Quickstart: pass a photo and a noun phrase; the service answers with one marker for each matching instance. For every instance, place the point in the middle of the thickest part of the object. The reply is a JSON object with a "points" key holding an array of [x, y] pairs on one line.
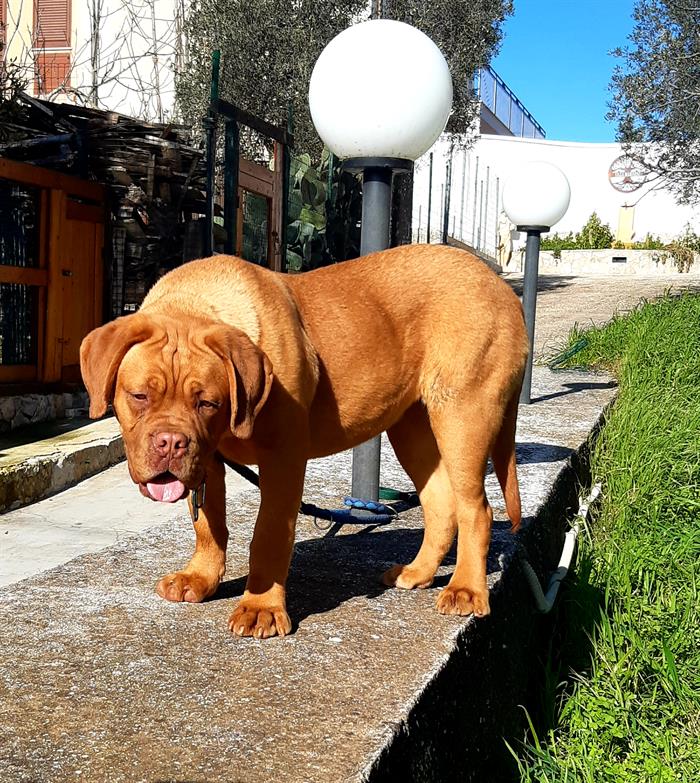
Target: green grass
{"points": [[630, 710]]}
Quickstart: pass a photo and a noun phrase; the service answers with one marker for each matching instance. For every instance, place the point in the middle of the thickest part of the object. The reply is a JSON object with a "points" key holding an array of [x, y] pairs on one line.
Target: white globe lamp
{"points": [[535, 197], [380, 89], [536, 194], [380, 95]]}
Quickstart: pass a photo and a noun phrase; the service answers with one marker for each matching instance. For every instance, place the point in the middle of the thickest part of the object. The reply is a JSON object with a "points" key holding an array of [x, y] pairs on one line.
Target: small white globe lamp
{"points": [[380, 95], [535, 197]]}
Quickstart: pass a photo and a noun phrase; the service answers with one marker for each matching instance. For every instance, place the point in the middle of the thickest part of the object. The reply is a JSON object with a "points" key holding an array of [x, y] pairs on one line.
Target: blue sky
{"points": [[555, 57]]}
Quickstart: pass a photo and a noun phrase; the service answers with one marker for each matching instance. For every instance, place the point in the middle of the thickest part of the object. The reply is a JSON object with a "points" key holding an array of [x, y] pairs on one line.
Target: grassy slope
{"points": [[633, 713]]}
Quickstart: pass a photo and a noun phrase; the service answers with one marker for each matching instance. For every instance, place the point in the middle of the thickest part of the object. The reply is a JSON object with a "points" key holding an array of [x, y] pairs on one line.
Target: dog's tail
{"points": [[503, 458]]}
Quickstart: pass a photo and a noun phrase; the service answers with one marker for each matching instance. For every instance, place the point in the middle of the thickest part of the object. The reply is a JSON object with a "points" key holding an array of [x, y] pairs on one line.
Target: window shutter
{"points": [[52, 72], [51, 24]]}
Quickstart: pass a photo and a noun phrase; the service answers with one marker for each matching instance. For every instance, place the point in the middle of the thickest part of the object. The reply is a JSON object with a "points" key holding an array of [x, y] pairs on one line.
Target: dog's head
{"points": [[176, 387]]}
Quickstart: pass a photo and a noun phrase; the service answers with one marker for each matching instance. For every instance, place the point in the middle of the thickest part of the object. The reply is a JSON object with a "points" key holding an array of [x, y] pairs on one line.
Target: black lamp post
{"points": [[380, 95], [535, 197]]}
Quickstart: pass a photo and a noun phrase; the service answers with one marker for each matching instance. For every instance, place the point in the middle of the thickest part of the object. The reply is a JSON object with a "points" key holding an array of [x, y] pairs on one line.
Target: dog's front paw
{"points": [[462, 601], [184, 586], [261, 622], [407, 577]]}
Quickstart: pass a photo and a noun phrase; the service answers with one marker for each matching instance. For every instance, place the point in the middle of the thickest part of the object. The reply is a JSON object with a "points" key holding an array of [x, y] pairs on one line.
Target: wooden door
{"points": [[259, 216], [75, 283]]}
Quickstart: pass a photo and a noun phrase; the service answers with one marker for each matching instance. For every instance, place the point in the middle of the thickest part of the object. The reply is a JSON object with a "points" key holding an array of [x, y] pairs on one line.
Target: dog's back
{"points": [[415, 322]]}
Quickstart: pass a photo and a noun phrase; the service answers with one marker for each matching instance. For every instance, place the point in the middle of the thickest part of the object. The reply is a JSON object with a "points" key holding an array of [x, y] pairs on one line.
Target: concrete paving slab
{"points": [[101, 680], [95, 513]]}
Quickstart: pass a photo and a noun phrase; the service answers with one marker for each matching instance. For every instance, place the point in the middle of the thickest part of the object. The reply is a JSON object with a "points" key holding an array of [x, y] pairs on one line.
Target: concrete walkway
{"points": [[563, 302], [101, 680]]}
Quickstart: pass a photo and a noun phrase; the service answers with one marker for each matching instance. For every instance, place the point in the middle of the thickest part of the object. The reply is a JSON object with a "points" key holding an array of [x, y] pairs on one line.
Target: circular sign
{"points": [[626, 174]]}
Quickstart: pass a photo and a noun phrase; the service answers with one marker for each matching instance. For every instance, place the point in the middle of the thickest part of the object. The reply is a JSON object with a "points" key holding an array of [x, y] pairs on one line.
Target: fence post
{"points": [[209, 123], [448, 193], [430, 195], [476, 191], [231, 153]]}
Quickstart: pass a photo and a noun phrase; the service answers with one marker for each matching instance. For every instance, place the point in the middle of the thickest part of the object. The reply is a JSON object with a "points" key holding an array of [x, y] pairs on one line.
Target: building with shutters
{"points": [[112, 54]]}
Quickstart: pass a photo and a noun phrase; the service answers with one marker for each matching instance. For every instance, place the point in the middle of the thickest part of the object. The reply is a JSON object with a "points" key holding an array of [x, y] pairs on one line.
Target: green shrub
{"points": [[323, 224], [595, 235]]}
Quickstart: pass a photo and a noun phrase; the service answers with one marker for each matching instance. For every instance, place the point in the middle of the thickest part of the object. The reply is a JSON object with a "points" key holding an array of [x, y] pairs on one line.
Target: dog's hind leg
{"points": [[503, 458], [200, 578], [466, 427], [417, 451]]}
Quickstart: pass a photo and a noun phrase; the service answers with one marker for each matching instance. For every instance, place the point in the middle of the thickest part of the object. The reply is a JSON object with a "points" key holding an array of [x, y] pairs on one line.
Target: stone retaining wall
{"points": [[20, 410], [611, 263]]}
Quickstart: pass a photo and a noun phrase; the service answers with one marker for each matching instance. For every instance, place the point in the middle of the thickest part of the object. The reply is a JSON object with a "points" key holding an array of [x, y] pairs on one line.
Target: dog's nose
{"points": [[171, 444]]}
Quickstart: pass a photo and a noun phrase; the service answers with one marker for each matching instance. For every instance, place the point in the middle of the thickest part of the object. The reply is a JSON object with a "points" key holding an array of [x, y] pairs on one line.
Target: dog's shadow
{"points": [[326, 572]]}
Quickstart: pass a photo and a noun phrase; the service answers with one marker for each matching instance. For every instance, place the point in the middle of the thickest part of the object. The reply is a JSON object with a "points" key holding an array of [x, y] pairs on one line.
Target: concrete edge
{"points": [[46, 474], [494, 662]]}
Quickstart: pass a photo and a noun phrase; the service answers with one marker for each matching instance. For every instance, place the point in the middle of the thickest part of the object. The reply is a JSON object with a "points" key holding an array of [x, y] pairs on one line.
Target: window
{"points": [[52, 42]]}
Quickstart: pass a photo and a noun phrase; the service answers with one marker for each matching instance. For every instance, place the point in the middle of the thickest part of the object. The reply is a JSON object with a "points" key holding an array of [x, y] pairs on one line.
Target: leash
{"points": [[375, 513]]}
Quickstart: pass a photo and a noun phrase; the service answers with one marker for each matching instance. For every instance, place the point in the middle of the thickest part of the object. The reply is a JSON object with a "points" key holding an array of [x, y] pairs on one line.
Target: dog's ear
{"points": [[101, 353], [249, 375]]}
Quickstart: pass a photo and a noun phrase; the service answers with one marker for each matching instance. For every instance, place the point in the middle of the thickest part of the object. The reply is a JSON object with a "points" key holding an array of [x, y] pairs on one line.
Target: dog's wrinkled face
{"points": [[176, 386], [173, 403]]}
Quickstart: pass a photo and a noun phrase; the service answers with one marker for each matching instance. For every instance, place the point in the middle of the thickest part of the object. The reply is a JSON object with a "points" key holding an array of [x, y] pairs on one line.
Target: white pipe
{"points": [[545, 602]]}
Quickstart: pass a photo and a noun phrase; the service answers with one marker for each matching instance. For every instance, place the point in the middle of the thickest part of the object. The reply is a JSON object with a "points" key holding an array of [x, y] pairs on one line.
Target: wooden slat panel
{"points": [[53, 348], [51, 24], [256, 179], [45, 178], [78, 262], [52, 72], [23, 275], [77, 211], [276, 209], [256, 186], [99, 276], [17, 373]]}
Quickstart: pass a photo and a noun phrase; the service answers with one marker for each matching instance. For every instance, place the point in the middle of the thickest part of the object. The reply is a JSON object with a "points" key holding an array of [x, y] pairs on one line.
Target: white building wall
{"points": [[135, 56], [479, 174]]}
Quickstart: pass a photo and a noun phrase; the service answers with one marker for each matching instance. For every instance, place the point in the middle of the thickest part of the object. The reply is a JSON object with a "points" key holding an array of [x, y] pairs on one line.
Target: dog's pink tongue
{"points": [[167, 491]]}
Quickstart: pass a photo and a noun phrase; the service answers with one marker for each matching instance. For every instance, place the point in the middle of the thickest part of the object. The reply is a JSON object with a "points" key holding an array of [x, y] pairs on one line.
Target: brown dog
{"points": [[272, 370]]}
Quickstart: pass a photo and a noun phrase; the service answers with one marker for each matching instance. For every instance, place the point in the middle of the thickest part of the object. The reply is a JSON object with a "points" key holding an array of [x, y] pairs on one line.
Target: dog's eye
{"points": [[140, 396], [208, 404]]}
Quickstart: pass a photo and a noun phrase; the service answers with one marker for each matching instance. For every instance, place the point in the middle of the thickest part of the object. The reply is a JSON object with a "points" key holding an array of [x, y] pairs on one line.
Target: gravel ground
{"points": [[565, 301]]}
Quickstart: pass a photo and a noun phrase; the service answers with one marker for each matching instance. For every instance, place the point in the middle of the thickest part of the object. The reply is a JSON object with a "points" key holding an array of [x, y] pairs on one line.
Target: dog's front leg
{"points": [[200, 578], [262, 610]]}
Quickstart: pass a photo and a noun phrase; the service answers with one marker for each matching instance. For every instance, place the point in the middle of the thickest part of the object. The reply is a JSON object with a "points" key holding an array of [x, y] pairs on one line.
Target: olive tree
{"points": [[269, 47], [656, 93]]}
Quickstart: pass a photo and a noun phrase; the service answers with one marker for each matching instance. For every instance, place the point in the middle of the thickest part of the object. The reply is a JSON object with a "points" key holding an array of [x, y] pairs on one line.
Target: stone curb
{"points": [[36, 470]]}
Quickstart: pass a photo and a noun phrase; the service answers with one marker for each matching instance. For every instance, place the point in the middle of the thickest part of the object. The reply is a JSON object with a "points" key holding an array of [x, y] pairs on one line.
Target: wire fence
{"points": [[457, 197], [19, 247]]}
